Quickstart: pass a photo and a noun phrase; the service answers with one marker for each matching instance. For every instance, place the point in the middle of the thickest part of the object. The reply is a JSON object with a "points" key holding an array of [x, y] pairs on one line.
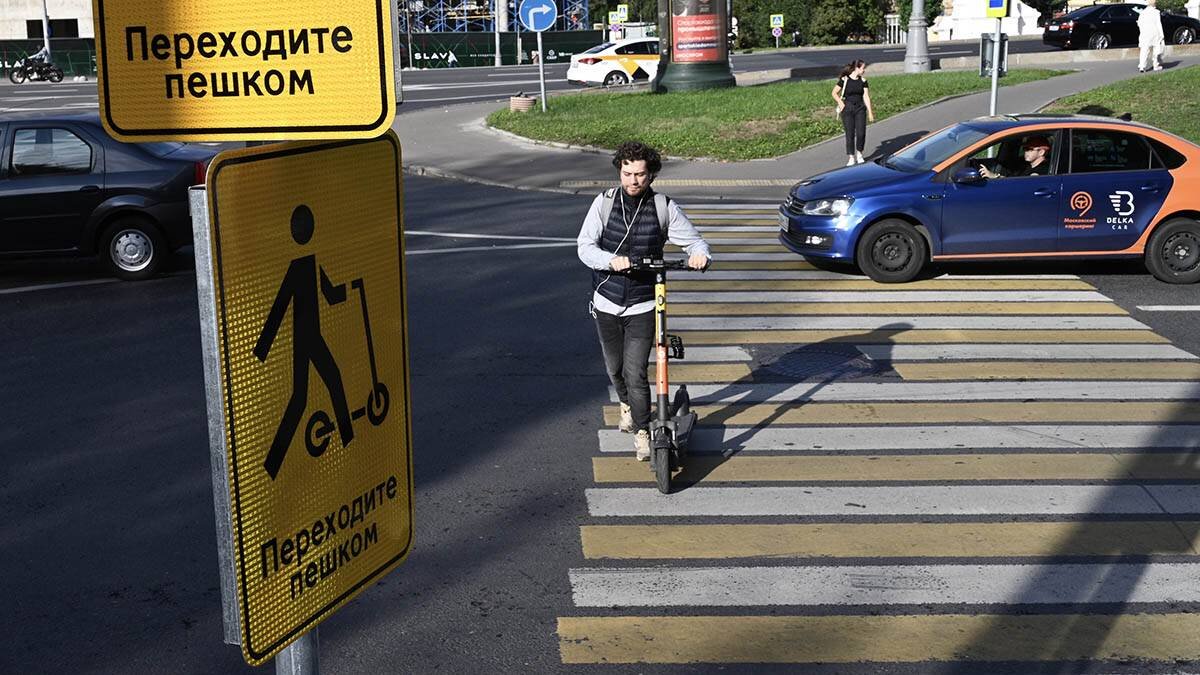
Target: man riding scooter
{"points": [[632, 221]]}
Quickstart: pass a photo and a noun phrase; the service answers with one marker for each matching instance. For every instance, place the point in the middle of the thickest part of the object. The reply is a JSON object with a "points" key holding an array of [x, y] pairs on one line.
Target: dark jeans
{"points": [[626, 343], [854, 121]]}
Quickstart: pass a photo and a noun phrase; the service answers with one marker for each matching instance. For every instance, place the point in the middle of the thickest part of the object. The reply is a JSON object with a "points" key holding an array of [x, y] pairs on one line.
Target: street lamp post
{"points": [[916, 52], [46, 30]]}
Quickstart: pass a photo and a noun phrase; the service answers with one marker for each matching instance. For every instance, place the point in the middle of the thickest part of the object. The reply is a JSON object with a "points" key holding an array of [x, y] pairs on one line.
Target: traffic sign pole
{"points": [[995, 68], [541, 70]]}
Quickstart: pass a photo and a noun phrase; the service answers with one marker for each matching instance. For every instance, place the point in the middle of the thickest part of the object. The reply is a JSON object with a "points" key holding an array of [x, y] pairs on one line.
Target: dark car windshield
{"points": [[935, 148], [599, 48], [161, 149]]}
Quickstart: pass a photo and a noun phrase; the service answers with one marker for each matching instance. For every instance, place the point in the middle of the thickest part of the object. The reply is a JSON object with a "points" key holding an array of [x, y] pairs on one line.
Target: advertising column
{"points": [[696, 54]]}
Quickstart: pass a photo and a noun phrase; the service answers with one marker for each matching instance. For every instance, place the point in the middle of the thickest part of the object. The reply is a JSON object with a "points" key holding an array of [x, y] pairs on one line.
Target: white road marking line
{"points": [[1169, 308], [760, 275], [468, 249], [964, 352], [46, 287], [939, 391], [467, 235], [740, 228], [887, 296], [915, 500], [886, 584], [897, 323], [903, 438]]}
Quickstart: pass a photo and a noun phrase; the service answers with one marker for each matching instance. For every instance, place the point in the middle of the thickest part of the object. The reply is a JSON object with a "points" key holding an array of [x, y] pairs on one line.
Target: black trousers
{"points": [[854, 121], [626, 343]]}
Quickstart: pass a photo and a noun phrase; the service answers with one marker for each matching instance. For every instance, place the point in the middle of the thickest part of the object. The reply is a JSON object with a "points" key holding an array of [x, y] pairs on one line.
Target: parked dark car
{"points": [[67, 187], [1104, 26]]}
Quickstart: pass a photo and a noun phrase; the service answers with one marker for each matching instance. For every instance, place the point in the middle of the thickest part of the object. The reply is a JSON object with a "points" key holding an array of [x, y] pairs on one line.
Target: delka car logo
{"points": [[1122, 202], [1081, 202]]}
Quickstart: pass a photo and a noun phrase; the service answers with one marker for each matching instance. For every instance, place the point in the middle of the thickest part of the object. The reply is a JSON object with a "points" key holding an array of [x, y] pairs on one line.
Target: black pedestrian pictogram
{"points": [[299, 289]]}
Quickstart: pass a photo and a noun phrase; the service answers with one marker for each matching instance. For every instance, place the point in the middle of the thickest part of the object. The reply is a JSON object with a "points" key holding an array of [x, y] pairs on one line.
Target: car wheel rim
{"points": [[892, 252], [1186, 37], [613, 81], [1101, 42], [1181, 252], [131, 250]]}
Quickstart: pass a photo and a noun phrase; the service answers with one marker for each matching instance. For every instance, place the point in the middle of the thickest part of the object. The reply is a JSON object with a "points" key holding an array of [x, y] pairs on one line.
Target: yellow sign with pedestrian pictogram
{"points": [[305, 268], [212, 70]]}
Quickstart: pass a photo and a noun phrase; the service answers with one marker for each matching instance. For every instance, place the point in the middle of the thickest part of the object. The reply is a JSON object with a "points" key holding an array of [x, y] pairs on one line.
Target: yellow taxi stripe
{"points": [[889, 540], [1015, 412], [950, 336], [882, 639], [1085, 466], [891, 308]]}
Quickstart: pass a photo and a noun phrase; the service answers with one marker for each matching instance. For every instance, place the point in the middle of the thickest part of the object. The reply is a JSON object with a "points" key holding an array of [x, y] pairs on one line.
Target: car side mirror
{"points": [[967, 175]]}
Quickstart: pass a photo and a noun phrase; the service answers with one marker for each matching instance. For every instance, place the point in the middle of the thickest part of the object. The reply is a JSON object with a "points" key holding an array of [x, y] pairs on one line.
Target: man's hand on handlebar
{"points": [[698, 262], [619, 263]]}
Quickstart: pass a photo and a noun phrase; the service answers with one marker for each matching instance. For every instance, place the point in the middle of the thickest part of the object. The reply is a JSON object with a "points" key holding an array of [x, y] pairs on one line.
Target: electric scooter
{"points": [[320, 427], [674, 420]]}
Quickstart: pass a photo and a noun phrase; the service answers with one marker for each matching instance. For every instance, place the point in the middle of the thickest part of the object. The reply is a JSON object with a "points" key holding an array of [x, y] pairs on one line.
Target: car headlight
{"points": [[828, 207]]}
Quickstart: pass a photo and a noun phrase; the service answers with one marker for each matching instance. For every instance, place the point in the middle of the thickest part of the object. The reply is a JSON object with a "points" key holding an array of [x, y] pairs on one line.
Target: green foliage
{"points": [[1173, 6], [1143, 98], [732, 124]]}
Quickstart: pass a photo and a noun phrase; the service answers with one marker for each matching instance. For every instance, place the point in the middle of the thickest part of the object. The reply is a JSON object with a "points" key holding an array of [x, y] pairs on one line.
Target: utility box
{"points": [[986, 51]]}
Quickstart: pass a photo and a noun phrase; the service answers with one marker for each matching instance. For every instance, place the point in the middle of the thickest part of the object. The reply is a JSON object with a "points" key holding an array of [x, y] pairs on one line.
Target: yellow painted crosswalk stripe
{"points": [[688, 373], [797, 264], [851, 284], [889, 540], [855, 639], [734, 234], [947, 336], [891, 308], [716, 247], [1016, 412], [965, 467]]}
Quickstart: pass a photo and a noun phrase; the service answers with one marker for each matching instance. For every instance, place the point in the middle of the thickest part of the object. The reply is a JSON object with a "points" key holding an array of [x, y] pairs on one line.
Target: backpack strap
{"points": [[606, 205], [661, 202]]}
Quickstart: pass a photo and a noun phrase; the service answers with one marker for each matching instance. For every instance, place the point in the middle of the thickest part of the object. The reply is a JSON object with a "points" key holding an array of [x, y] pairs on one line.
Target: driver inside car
{"points": [[1035, 150]]}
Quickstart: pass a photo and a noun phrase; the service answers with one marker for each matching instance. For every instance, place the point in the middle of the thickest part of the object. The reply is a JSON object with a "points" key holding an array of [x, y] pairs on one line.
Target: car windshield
{"points": [[599, 48], [161, 149], [934, 149]]}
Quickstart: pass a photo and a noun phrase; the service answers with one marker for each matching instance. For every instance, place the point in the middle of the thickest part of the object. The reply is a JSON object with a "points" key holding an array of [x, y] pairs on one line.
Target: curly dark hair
{"points": [[635, 151]]}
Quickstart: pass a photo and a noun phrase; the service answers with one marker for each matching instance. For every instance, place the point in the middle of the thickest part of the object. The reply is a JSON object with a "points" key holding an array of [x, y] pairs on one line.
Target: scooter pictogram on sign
{"points": [[299, 290]]}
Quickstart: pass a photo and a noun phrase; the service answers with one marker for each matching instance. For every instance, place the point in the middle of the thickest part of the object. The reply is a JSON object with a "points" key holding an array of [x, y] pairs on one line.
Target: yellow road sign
{"points": [[216, 71], [776, 21], [307, 279]]}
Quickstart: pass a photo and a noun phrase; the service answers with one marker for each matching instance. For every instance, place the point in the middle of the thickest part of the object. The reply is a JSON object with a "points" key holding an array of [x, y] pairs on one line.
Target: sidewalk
{"points": [[453, 142]]}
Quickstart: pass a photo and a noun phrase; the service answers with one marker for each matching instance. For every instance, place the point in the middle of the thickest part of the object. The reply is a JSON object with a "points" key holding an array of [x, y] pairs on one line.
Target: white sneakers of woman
{"points": [[626, 423], [851, 162], [641, 445], [859, 158]]}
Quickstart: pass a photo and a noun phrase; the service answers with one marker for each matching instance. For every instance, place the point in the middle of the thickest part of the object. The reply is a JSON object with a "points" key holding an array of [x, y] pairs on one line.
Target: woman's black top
{"points": [[852, 91]]}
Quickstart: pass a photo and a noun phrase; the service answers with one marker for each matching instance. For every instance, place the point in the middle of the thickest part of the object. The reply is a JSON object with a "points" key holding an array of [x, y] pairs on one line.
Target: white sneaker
{"points": [[858, 158], [1158, 67], [641, 445], [626, 423], [851, 162]]}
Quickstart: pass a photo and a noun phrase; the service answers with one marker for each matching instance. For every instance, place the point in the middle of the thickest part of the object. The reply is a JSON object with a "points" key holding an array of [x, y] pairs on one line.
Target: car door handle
{"points": [[933, 196], [1151, 187], [90, 188], [1044, 192]]}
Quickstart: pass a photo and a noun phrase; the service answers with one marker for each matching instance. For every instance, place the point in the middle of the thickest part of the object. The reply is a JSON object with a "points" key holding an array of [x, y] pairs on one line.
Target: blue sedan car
{"points": [[1097, 188]]}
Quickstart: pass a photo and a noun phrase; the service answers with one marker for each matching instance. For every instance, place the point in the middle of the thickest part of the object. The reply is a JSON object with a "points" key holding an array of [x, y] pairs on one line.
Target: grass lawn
{"points": [[1159, 99], [733, 124]]}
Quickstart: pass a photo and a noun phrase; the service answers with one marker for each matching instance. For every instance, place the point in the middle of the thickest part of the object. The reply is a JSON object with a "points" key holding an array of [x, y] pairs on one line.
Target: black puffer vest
{"points": [[644, 239]]}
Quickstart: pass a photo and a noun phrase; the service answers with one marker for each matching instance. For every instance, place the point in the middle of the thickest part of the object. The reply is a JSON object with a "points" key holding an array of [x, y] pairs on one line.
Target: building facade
{"points": [[22, 19]]}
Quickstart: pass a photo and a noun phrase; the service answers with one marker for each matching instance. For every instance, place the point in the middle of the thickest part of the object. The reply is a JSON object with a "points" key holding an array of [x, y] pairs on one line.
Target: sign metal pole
{"points": [[541, 70], [995, 67]]}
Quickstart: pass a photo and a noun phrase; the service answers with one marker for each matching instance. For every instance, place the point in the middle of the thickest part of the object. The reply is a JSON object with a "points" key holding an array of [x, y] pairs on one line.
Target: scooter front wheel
{"points": [[377, 404]]}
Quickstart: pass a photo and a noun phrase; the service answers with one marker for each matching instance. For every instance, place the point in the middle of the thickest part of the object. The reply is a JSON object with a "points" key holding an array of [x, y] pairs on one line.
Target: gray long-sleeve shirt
{"points": [[680, 231]]}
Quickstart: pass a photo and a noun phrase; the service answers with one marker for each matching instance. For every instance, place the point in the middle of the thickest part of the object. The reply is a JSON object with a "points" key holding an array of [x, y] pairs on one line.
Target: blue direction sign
{"points": [[537, 15]]}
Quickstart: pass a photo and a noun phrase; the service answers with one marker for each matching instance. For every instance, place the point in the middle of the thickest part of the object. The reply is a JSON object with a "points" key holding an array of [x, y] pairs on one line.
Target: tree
{"points": [[933, 9]]}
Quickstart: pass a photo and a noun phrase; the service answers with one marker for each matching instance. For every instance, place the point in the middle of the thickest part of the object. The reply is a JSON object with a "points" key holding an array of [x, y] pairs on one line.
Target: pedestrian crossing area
{"points": [[965, 470]]}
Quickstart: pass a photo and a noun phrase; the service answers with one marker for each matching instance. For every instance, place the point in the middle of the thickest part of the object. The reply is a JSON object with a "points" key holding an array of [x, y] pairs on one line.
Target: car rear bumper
{"points": [[1057, 39]]}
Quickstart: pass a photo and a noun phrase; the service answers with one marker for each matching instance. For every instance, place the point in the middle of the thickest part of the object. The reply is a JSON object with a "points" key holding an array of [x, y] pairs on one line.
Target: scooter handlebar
{"points": [[656, 264]]}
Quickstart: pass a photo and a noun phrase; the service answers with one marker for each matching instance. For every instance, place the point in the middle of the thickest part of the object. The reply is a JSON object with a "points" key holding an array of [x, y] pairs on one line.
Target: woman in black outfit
{"points": [[854, 106]]}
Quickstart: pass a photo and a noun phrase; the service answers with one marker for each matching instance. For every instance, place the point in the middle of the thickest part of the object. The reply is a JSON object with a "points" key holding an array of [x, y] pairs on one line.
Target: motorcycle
{"points": [[33, 71]]}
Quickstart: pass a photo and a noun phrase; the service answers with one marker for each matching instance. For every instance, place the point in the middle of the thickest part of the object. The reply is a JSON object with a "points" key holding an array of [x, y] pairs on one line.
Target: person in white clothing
{"points": [[1150, 38]]}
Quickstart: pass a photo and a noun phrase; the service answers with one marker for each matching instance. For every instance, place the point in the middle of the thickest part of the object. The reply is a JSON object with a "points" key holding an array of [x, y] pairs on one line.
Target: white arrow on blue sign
{"points": [[538, 15]]}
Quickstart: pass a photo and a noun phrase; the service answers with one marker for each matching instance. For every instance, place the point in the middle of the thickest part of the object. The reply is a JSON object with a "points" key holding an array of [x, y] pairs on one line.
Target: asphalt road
{"points": [[110, 561]]}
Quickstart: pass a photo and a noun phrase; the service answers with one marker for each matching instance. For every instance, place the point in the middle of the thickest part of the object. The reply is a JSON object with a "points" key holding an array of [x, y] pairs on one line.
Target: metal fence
{"points": [[76, 56], [433, 50], [893, 32]]}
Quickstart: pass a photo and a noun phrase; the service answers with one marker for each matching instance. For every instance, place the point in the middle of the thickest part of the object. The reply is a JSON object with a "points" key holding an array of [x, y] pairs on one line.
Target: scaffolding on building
{"points": [[470, 16]]}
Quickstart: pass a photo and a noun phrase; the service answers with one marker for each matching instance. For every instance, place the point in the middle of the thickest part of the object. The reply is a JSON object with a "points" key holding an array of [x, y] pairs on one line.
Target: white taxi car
{"points": [[615, 63]]}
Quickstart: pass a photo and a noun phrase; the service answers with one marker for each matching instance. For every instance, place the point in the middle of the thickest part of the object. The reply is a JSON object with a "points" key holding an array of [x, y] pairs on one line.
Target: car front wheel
{"points": [[1099, 41], [1173, 253], [891, 252], [133, 249], [1184, 36], [616, 79]]}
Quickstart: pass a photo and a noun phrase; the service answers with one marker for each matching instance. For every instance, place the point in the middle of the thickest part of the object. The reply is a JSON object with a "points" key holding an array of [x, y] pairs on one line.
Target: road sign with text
{"points": [[217, 71], [308, 355]]}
